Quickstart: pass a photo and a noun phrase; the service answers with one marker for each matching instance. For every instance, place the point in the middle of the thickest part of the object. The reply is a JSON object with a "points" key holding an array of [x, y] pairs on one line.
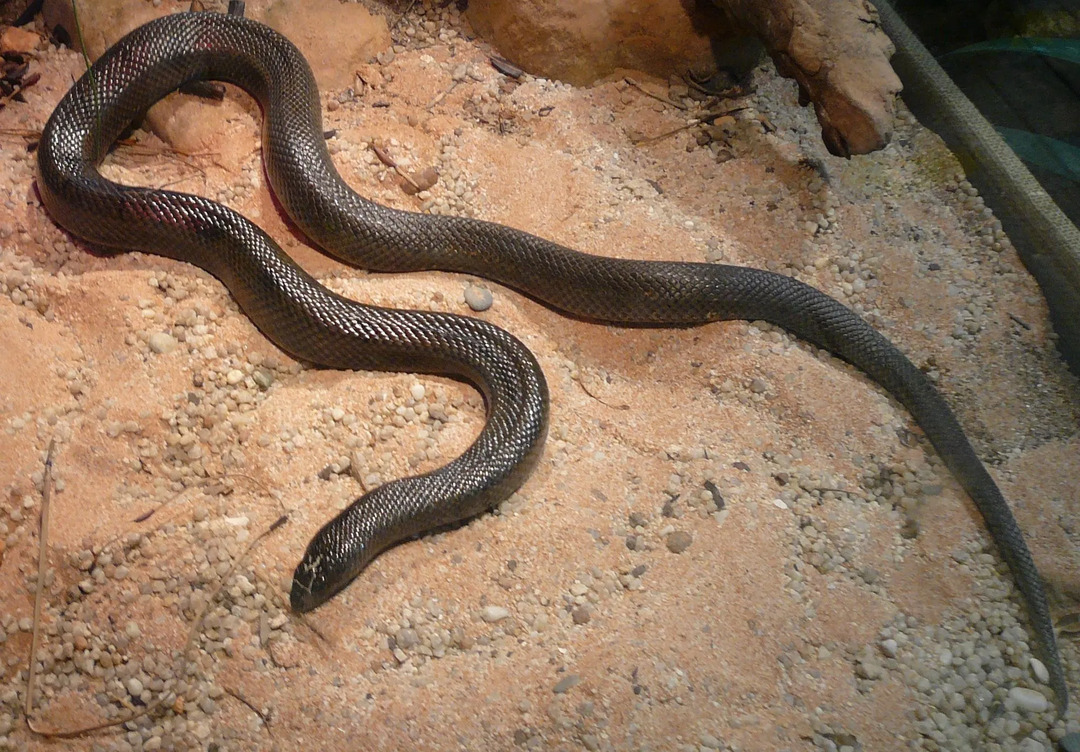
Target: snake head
{"points": [[327, 567]]}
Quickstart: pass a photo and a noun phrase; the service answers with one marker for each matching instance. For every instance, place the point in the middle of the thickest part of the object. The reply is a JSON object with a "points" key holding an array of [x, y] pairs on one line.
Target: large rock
{"points": [[580, 41], [834, 49]]}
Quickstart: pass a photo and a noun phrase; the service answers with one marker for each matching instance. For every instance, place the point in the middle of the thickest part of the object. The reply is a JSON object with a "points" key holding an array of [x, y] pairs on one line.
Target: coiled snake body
{"points": [[310, 322]]}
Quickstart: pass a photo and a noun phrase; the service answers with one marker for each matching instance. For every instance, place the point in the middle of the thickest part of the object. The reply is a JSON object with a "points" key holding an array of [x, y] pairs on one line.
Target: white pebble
{"points": [[162, 343], [234, 377], [492, 614], [417, 391], [889, 647], [134, 687], [1040, 671], [1028, 700]]}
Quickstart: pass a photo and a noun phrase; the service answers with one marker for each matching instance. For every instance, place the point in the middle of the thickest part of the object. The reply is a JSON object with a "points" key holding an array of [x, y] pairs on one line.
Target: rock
{"points": [[407, 638], [834, 49], [566, 684], [492, 614], [580, 42], [162, 342], [679, 541], [1039, 669], [14, 39], [263, 378], [478, 298], [1028, 700], [336, 38], [869, 669]]}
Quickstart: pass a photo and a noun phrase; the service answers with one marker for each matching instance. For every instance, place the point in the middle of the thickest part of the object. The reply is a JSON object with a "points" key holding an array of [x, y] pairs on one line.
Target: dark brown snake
{"points": [[308, 321]]}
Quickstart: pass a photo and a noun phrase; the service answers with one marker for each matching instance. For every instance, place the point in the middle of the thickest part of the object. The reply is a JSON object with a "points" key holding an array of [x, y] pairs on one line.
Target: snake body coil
{"points": [[314, 324]]}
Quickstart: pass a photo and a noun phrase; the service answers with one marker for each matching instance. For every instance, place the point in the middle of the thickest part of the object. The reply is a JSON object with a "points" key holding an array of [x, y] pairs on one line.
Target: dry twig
{"points": [[657, 97]]}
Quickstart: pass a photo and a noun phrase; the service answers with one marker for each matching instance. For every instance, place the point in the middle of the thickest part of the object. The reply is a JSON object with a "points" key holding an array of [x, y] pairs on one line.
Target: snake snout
{"points": [[318, 577]]}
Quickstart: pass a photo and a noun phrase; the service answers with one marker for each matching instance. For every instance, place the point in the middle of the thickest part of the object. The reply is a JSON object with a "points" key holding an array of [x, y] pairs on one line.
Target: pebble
{"points": [[679, 541], [566, 684], [478, 298], [492, 614], [162, 343], [1028, 700], [1039, 669], [263, 378], [234, 377], [711, 742], [407, 638], [869, 669], [889, 647]]}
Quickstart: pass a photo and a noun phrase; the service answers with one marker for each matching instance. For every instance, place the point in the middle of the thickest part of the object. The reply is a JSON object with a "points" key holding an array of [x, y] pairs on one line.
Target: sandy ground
{"points": [[616, 634]]}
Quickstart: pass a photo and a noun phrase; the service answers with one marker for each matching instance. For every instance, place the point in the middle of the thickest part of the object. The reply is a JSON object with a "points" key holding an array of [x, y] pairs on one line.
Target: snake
{"points": [[314, 324]]}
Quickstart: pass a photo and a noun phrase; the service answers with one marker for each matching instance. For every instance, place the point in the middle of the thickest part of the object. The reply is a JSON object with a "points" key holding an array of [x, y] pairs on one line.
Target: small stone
{"points": [[708, 741], [566, 684], [1039, 669], [417, 391], [263, 378], [162, 343], [889, 647], [581, 615], [478, 298], [492, 614], [759, 386], [15, 39], [679, 541], [869, 669], [234, 377], [1028, 700], [134, 687], [407, 638]]}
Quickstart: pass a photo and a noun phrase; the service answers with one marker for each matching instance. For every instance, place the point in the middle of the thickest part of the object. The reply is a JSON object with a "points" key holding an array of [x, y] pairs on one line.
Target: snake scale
{"points": [[314, 324]]}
